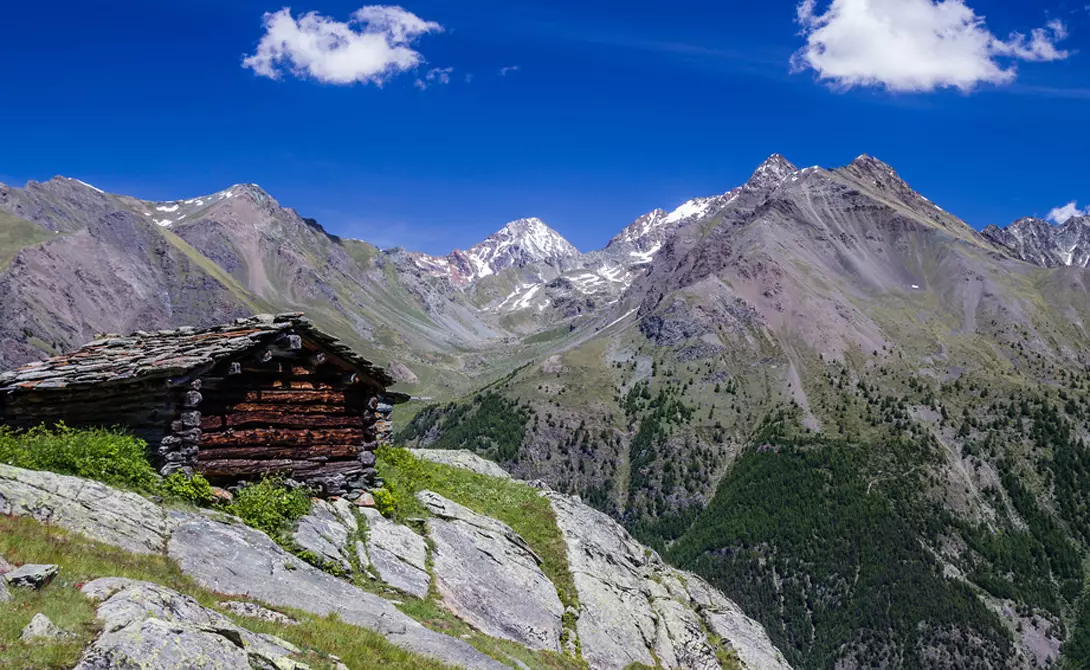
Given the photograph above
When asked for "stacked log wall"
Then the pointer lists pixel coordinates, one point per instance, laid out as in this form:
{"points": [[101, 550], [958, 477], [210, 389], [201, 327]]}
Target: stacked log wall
{"points": [[145, 410], [303, 420]]}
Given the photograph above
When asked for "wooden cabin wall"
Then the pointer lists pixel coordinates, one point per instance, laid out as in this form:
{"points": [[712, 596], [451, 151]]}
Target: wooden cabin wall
{"points": [[144, 409], [311, 422]]}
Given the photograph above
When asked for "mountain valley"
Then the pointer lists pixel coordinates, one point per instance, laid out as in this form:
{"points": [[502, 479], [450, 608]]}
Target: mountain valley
{"points": [[860, 418]]}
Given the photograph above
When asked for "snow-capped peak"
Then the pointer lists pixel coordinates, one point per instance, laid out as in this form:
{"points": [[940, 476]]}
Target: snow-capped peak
{"points": [[772, 172]]}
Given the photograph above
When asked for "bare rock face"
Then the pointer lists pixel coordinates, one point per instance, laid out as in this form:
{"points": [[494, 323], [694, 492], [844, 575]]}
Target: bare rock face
{"points": [[237, 560], [488, 576], [402, 373], [636, 609], [324, 533], [122, 519], [397, 555], [41, 629]]}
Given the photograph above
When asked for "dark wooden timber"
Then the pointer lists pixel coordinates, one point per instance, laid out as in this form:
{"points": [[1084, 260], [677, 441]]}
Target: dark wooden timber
{"points": [[267, 395]]}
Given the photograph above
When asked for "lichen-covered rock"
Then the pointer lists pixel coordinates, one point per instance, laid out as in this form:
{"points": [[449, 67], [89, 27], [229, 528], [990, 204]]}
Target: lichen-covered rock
{"points": [[149, 626], [462, 458], [489, 577], [323, 533], [397, 555], [255, 611], [233, 559], [636, 609], [5, 594], [118, 518], [748, 638], [41, 628], [32, 576]]}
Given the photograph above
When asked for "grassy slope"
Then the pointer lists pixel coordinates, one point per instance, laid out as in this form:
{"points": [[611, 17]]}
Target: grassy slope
{"points": [[17, 234]]}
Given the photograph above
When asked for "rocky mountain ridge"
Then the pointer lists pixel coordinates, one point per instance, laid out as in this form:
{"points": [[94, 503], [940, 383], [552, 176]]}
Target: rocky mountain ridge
{"points": [[1041, 243]]}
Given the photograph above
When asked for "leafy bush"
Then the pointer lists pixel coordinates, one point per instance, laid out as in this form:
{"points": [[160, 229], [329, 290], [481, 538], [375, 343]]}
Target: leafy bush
{"points": [[105, 455], [195, 489], [270, 506], [384, 501]]}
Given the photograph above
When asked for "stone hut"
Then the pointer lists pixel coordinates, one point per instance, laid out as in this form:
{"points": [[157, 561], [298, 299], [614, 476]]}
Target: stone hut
{"points": [[264, 395]]}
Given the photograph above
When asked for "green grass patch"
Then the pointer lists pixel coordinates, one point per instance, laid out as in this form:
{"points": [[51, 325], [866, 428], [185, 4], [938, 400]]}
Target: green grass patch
{"points": [[17, 234], [520, 506]]}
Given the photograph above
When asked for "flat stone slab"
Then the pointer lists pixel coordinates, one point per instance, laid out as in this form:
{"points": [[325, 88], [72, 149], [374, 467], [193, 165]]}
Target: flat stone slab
{"points": [[32, 576], [397, 555], [235, 560], [117, 518], [489, 577], [255, 611]]}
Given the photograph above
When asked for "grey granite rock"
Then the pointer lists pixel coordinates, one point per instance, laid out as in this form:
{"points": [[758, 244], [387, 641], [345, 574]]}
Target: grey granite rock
{"points": [[324, 534], [237, 560], [41, 628], [397, 555], [118, 518], [32, 576], [462, 458], [489, 577], [5, 594], [255, 611], [636, 609], [147, 625], [5, 567]]}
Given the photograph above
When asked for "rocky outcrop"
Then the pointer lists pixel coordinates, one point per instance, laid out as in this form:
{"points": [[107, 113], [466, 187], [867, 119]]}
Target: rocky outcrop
{"points": [[489, 577], [254, 611], [636, 609], [324, 533], [146, 625], [124, 520], [396, 554], [462, 458], [236, 560], [32, 576], [41, 629]]}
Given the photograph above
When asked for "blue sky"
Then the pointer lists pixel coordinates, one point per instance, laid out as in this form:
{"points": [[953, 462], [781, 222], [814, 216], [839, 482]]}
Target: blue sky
{"points": [[615, 108]]}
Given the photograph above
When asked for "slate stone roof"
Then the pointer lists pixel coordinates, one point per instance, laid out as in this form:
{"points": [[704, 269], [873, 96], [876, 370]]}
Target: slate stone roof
{"points": [[173, 353]]}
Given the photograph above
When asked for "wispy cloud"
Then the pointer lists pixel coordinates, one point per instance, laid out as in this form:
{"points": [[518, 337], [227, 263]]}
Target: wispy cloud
{"points": [[436, 75], [374, 45], [1068, 211], [510, 69], [915, 45]]}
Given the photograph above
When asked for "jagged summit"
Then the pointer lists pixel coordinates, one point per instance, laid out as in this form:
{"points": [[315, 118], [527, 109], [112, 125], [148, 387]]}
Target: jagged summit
{"points": [[771, 173], [1039, 242]]}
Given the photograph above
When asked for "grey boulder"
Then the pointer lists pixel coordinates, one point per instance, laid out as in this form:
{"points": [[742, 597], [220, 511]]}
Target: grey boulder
{"points": [[41, 628], [397, 555], [149, 626], [233, 559], [118, 518], [32, 576], [5, 594], [489, 577]]}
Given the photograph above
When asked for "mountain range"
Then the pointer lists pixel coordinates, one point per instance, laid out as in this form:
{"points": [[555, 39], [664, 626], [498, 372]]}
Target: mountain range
{"points": [[797, 388]]}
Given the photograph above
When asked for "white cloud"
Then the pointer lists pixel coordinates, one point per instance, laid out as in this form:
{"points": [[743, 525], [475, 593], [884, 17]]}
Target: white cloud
{"points": [[1068, 211], [914, 45], [504, 71], [372, 46], [436, 75]]}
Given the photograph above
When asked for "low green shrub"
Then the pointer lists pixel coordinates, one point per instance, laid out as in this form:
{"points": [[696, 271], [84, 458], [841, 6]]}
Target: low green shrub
{"points": [[270, 506], [194, 490], [105, 455]]}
